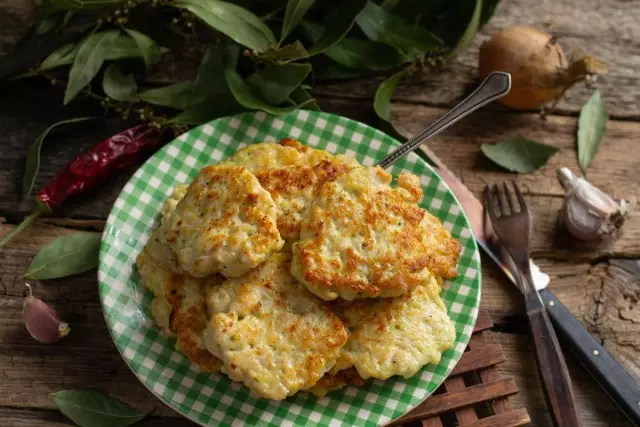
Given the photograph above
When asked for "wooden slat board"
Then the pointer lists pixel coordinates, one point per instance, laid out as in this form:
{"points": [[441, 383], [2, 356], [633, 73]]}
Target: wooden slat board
{"points": [[475, 395]]}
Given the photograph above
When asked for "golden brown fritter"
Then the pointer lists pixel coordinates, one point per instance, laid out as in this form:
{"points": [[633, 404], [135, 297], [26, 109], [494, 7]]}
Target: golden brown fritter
{"points": [[362, 238], [226, 223], [292, 173], [270, 332], [179, 307], [293, 188], [395, 336]]}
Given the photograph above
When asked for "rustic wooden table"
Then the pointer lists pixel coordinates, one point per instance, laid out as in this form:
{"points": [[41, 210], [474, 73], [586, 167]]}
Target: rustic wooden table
{"points": [[600, 286]]}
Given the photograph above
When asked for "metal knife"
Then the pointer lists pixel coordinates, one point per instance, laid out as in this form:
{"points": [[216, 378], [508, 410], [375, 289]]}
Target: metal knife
{"points": [[617, 383]]}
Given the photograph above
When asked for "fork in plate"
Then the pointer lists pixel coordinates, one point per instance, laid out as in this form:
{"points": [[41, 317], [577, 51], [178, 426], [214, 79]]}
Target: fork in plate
{"points": [[511, 222]]}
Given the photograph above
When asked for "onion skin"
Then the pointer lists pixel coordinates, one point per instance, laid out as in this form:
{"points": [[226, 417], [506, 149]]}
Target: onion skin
{"points": [[540, 72]]}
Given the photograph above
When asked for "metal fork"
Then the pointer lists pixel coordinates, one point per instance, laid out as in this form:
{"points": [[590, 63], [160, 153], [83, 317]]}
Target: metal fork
{"points": [[511, 222]]}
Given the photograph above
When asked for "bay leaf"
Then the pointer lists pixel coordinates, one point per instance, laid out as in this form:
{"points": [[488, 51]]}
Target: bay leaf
{"points": [[356, 53], [64, 55], [222, 104], [32, 166], [329, 70], [236, 22], [472, 28], [276, 82], [93, 408], [293, 15], [488, 9], [125, 46], [119, 86], [284, 54], [49, 23], [337, 25], [87, 62], [67, 255], [176, 95], [209, 78], [303, 99], [592, 124], [380, 25], [148, 48], [519, 154], [248, 97], [389, 4], [384, 94]]}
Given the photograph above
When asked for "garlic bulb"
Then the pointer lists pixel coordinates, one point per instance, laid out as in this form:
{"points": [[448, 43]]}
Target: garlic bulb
{"points": [[588, 213]]}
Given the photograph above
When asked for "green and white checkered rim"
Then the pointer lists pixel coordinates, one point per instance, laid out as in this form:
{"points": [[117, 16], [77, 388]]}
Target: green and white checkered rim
{"points": [[212, 399]]}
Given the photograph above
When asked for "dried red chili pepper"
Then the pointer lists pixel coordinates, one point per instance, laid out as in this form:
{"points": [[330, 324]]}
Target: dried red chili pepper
{"points": [[92, 167]]}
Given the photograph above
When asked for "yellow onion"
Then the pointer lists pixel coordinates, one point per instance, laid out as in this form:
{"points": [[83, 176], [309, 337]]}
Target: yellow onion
{"points": [[540, 71]]}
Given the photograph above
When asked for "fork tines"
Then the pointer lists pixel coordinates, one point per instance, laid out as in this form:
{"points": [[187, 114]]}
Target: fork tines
{"points": [[502, 202]]}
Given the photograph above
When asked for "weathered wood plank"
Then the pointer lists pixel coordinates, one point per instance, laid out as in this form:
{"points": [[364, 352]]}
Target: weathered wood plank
{"points": [[88, 358], [608, 29], [33, 106], [596, 294], [15, 20], [19, 417], [612, 169], [596, 410]]}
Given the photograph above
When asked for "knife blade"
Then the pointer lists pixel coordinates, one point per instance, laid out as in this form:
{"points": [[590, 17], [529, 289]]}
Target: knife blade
{"points": [[480, 224], [616, 382]]}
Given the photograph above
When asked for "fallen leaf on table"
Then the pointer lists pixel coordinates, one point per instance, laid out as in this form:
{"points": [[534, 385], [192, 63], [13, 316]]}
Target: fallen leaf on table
{"points": [[519, 154], [591, 126], [67, 255], [93, 408]]}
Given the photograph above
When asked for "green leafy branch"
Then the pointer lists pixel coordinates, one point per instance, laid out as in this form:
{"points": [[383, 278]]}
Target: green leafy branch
{"points": [[255, 55]]}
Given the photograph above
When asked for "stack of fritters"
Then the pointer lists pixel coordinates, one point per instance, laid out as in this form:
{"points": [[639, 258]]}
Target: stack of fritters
{"points": [[288, 269]]}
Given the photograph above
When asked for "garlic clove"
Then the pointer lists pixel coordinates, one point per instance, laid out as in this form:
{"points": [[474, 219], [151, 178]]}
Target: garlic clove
{"points": [[588, 213], [42, 322]]}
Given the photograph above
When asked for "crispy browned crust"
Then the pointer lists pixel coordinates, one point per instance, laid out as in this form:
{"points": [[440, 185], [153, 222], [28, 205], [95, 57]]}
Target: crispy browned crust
{"points": [[399, 239], [293, 189], [189, 322], [294, 143], [341, 379], [203, 228], [271, 333]]}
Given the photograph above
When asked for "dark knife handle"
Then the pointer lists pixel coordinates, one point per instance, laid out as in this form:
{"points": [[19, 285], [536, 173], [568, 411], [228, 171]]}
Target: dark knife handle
{"points": [[623, 390], [553, 371]]}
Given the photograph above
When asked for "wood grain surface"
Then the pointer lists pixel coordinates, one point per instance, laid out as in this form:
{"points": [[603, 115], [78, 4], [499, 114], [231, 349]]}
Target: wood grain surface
{"points": [[600, 285], [607, 29]]}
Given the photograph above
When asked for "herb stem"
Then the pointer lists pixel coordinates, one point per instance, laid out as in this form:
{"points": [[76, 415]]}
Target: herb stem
{"points": [[24, 224]]}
